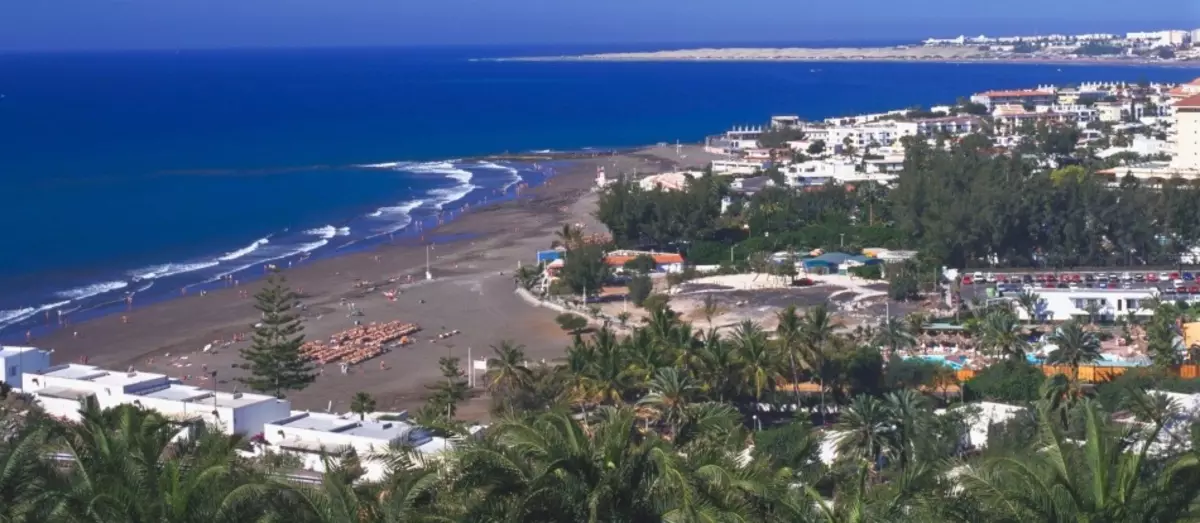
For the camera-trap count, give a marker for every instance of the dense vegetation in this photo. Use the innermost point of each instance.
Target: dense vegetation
(961, 205)
(664, 424)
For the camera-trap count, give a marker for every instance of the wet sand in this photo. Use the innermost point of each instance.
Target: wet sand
(471, 292)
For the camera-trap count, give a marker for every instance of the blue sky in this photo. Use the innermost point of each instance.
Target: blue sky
(174, 24)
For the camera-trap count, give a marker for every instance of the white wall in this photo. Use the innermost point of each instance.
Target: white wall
(253, 419)
(14, 366)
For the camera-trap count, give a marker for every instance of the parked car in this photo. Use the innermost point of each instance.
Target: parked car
(1187, 276)
(1028, 278)
(1125, 276)
(1151, 277)
(1089, 278)
(967, 280)
(1174, 276)
(1102, 285)
(1139, 277)
(1178, 284)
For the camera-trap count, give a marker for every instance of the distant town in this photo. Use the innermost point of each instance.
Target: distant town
(1169, 44)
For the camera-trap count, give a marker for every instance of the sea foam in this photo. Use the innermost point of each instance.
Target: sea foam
(11, 317)
(328, 232)
(514, 174)
(233, 255)
(170, 269)
(88, 291)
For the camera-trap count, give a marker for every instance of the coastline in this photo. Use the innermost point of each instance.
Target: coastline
(472, 260)
(836, 55)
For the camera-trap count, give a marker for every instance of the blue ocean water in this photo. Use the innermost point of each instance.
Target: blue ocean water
(155, 170)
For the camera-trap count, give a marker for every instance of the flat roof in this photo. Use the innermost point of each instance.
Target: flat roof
(10, 350)
(65, 393)
(72, 371)
(241, 399)
(386, 430)
(331, 423)
(122, 379)
(316, 421)
(178, 393)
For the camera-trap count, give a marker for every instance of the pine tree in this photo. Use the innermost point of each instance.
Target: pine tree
(273, 358)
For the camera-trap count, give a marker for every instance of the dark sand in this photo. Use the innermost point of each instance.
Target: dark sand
(469, 294)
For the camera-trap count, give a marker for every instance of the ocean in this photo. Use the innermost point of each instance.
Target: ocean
(147, 172)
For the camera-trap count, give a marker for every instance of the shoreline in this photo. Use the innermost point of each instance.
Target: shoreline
(45, 312)
(914, 54)
(471, 292)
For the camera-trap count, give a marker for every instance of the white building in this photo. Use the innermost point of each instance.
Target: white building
(235, 413)
(952, 125)
(838, 171)
(60, 389)
(312, 436)
(738, 167)
(1064, 304)
(15, 361)
(1187, 139)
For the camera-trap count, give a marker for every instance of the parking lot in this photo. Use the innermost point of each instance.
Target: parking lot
(1169, 282)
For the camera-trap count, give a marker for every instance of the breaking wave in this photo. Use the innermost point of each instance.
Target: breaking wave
(88, 291)
(170, 269)
(233, 255)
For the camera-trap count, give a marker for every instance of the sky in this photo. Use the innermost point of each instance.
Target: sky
(40, 25)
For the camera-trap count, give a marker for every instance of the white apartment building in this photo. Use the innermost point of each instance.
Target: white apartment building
(953, 125)
(312, 436)
(816, 173)
(744, 137)
(1187, 139)
(1065, 304)
(738, 167)
(60, 389)
(15, 361)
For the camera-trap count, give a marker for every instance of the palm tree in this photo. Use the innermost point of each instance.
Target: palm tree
(26, 477)
(362, 404)
(1028, 302)
(1076, 346)
(506, 369)
(670, 393)
(568, 237)
(130, 466)
(865, 431)
(913, 417)
(790, 331)
(818, 329)
(1105, 476)
(758, 361)
(1001, 334)
(716, 365)
(894, 335)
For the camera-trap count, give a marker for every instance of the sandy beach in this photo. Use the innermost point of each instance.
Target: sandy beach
(472, 292)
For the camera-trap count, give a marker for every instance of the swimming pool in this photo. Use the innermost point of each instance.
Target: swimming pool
(938, 358)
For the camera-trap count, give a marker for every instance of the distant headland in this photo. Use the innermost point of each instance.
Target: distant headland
(1167, 48)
